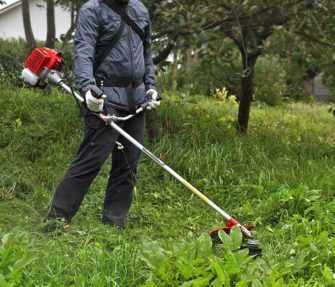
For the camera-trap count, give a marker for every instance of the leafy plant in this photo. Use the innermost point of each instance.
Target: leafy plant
(14, 257)
(271, 84)
(193, 262)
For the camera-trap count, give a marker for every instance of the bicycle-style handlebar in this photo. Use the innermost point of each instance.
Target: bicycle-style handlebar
(54, 77)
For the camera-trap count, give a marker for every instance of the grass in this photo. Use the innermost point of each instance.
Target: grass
(280, 176)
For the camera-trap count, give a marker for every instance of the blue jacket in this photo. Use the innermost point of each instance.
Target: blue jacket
(129, 58)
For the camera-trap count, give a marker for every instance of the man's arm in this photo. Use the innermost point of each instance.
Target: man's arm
(149, 77)
(86, 35)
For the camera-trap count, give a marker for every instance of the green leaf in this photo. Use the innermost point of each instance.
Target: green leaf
(242, 283)
(256, 283)
(199, 282)
(204, 243)
(218, 269)
(236, 236)
(226, 240)
(328, 276)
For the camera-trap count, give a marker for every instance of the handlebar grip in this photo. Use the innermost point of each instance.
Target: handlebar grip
(97, 93)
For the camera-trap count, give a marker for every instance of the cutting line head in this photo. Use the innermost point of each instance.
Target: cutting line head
(250, 243)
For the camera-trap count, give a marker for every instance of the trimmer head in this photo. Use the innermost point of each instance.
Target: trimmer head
(253, 245)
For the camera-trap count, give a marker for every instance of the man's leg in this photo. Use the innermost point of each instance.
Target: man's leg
(121, 182)
(98, 143)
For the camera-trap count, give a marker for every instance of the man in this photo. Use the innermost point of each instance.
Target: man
(114, 59)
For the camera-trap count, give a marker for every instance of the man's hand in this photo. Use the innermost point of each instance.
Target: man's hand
(154, 99)
(95, 100)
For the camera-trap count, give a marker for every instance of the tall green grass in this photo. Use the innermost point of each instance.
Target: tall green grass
(280, 176)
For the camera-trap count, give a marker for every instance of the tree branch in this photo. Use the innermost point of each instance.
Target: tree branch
(314, 39)
(163, 54)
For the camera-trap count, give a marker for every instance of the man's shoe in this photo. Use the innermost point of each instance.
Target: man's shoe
(55, 225)
(119, 222)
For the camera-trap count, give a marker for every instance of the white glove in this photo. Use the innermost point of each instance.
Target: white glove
(153, 99)
(94, 104)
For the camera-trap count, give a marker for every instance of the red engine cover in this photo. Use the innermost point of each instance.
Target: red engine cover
(41, 58)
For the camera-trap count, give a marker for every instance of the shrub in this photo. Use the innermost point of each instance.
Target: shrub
(12, 54)
(270, 80)
(193, 262)
(210, 67)
(14, 257)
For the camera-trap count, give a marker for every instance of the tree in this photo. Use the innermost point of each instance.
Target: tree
(248, 23)
(73, 6)
(31, 42)
(316, 35)
(51, 25)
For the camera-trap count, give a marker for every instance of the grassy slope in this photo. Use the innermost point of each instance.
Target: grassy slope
(281, 176)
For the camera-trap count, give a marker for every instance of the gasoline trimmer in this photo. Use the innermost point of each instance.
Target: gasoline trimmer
(44, 65)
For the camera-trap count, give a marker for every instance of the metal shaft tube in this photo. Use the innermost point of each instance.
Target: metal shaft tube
(178, 177)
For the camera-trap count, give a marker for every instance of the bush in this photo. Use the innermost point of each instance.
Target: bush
(270, 80)
(14, 257)
(193, 262)
(12, 55)
(212, 66)
(67, 53)
(330, 82)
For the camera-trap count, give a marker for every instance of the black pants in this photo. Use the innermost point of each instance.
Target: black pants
(98, 144)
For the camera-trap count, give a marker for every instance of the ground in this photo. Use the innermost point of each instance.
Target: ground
(280, 177)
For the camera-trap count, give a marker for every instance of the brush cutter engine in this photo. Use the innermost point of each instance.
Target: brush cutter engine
(41, 66)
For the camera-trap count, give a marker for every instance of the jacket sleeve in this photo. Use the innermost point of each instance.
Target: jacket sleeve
(85, 40)
(149, 76)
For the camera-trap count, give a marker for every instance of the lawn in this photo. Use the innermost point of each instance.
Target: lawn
(280, 176)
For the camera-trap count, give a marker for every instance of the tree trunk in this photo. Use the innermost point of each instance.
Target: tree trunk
(73, 10)
(247, 91)
(31, 42)
(74, 17)
(51, 26)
